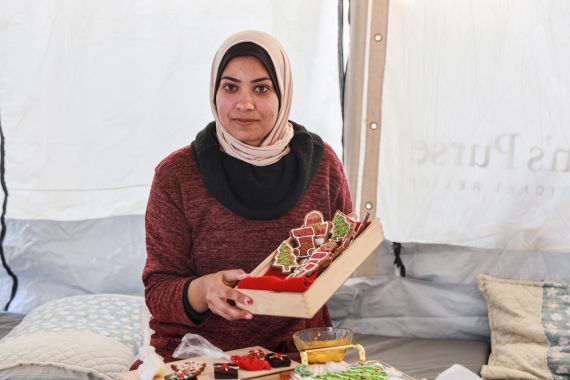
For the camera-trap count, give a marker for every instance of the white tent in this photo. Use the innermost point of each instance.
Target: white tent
(94, 95)
(455, 135)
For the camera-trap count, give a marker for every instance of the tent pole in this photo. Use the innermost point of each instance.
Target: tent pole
(363, 107)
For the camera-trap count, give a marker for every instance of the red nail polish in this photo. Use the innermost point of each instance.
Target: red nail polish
(248, 301)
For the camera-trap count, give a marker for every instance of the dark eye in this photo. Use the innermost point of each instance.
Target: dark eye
(262, 88)
(229, 87)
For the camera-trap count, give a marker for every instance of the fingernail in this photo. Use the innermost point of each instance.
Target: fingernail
(249, 316)
(248, 301)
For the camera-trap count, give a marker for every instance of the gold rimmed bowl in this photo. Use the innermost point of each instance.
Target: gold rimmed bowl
(314, 343)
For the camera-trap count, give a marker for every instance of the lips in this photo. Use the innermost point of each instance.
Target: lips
(244, 121)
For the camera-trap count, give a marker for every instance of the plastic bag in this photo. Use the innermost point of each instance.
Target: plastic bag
(457, 372)
(152, 363)
(193, 345)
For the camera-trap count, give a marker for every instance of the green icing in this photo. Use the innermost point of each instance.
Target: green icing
(365, 372)
(286, 257)
(303, 370)
(340, 227)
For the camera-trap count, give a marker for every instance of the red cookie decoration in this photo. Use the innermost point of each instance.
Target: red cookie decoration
(251, 363)
(319, 259)
(322, 231)
(305, 239)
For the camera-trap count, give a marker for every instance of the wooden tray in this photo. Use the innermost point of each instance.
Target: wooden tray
(208, 373)
(305, 305)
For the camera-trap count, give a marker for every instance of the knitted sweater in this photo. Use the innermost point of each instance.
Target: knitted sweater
(189, 234)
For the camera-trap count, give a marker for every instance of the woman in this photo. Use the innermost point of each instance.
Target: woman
(220, 206)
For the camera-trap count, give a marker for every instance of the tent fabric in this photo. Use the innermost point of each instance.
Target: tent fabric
(55, 259)
(439, 297)
(95, 93)
(475, 147)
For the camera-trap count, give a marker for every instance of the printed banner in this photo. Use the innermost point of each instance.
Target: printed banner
(476, 125)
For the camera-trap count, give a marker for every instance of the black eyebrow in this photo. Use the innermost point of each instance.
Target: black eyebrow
(253, 81)
(260, 79)
(232, 79)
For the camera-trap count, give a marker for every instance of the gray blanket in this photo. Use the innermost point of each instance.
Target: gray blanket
(8, 321)
(422, 358)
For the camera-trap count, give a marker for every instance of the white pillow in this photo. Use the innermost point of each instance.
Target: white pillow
(82, 337)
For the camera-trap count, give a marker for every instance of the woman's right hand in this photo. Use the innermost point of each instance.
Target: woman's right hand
(213, 291)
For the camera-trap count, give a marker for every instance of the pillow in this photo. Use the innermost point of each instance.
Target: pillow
(82, 337)
(530, 329)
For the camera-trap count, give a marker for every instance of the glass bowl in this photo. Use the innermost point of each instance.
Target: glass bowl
(322, 337)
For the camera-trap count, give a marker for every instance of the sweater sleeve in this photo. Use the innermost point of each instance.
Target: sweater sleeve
(168, 267)
(340, 193)
(343, 200)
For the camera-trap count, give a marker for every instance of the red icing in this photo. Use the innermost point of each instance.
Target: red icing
(225, 366)
(250, 363)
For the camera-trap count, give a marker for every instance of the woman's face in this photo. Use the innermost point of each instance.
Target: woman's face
(246, 101)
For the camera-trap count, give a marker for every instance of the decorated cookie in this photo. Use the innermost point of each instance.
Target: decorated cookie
(319, 259)
(342, 226)
(256, 353)
(189, 366)
(180, 376)
(313, 217)
(225, 371)
(362, 225)
(340, 249)
(185, 371)
(305, 240)
(278, 360)
(322, 231)
(368, 372)
(285, 258)
(330, 246)
(303, 370)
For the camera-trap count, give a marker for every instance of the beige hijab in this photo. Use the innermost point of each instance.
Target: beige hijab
(276, 143)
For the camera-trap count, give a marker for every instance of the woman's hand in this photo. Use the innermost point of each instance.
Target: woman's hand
(213, 291)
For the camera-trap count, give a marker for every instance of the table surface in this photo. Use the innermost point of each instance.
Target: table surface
(273, 374)
(283, 373)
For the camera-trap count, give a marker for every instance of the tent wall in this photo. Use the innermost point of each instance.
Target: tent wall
(93, 94)
(46, 244)
(440, 56)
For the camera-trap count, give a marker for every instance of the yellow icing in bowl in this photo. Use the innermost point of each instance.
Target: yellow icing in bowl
(320, 338)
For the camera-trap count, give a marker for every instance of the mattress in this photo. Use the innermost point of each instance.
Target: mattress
(420, 358)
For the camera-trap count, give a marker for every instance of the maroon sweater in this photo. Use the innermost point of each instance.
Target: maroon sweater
(189, 233)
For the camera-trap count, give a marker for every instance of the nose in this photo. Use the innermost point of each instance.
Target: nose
(245, 103)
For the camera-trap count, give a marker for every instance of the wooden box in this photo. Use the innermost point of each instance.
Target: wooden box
(306, 304)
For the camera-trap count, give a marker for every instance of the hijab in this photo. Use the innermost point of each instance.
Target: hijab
(265, 182)
(273, 56)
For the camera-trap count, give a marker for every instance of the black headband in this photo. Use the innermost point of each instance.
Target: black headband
(243, 49)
